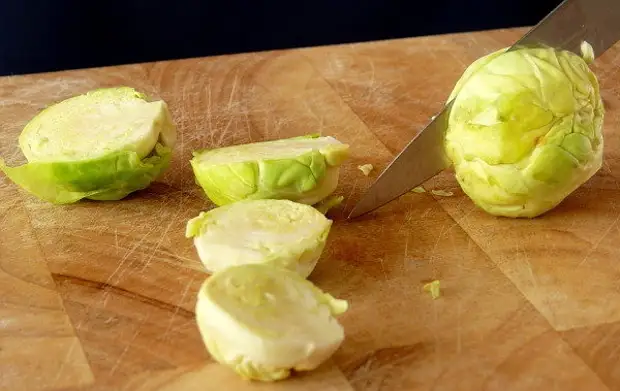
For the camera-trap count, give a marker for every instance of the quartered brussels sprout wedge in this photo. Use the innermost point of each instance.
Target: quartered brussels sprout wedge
(279, 233)
(301, 169)
(265, 322)
(102, 145)
(525, 129)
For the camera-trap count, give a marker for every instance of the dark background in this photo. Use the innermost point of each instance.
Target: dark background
(40, 35)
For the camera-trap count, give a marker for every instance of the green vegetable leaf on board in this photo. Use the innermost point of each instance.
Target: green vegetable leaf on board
(102, 145)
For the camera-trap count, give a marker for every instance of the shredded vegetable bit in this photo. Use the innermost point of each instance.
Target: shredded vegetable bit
(587, 52)
(366, 168)
(434, 288)
(328, 203)
(418, 189)
(442, 193)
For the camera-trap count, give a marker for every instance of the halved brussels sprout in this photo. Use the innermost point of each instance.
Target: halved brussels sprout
(279, 233)
(302, 169)
(101, 145)
(264, 321)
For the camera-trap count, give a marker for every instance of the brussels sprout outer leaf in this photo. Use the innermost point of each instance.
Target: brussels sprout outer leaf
(111, 177)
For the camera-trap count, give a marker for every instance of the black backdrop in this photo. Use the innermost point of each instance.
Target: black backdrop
(47, 35)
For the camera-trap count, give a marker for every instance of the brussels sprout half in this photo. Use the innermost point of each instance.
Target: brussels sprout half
(264, 321)
(102, 145)
(301, 169)
(279, 233)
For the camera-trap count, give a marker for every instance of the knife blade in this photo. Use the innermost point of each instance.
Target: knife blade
(565, 27)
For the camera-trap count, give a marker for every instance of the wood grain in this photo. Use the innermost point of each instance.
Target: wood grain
(100, 296)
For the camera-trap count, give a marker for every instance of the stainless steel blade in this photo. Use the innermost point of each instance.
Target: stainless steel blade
(420, 160)
(566, 27)
(575, 21)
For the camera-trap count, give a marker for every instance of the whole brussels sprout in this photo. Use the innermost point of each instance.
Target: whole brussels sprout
(525, 129)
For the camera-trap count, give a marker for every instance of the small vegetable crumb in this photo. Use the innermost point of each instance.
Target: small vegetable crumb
(442, 193)
(434, 288)
(587, 52)
(366, 168)
(418, 189)
(328, 203)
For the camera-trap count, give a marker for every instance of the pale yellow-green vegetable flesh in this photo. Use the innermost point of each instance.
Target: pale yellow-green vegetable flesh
(434, 288)
(265, 322)
(418, 189)
(366, 168)
(442, 193)
(279, 233)
(95, 124)
(329, 203)
(525, 129)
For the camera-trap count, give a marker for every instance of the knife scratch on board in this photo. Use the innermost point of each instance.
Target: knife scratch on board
(598, 242)
(233, 91)
(177, 308)
(116, 246)
(118, 272)
(121, 356)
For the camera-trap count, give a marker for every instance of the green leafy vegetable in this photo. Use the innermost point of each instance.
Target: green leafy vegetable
(525, 129)
(102, 145)
(264, 322)
(301, 169)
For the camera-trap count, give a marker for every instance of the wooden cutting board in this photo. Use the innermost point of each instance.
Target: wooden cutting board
(100, 296)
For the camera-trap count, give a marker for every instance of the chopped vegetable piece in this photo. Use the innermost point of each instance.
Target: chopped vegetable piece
(301, 169)
(418, 189)
(264, 321)
(434, 288)
(442, 193)
(366, 168)
(102, 145)
(279, 233)
(329, 203)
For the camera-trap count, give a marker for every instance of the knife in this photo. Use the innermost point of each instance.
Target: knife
(566, 27)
